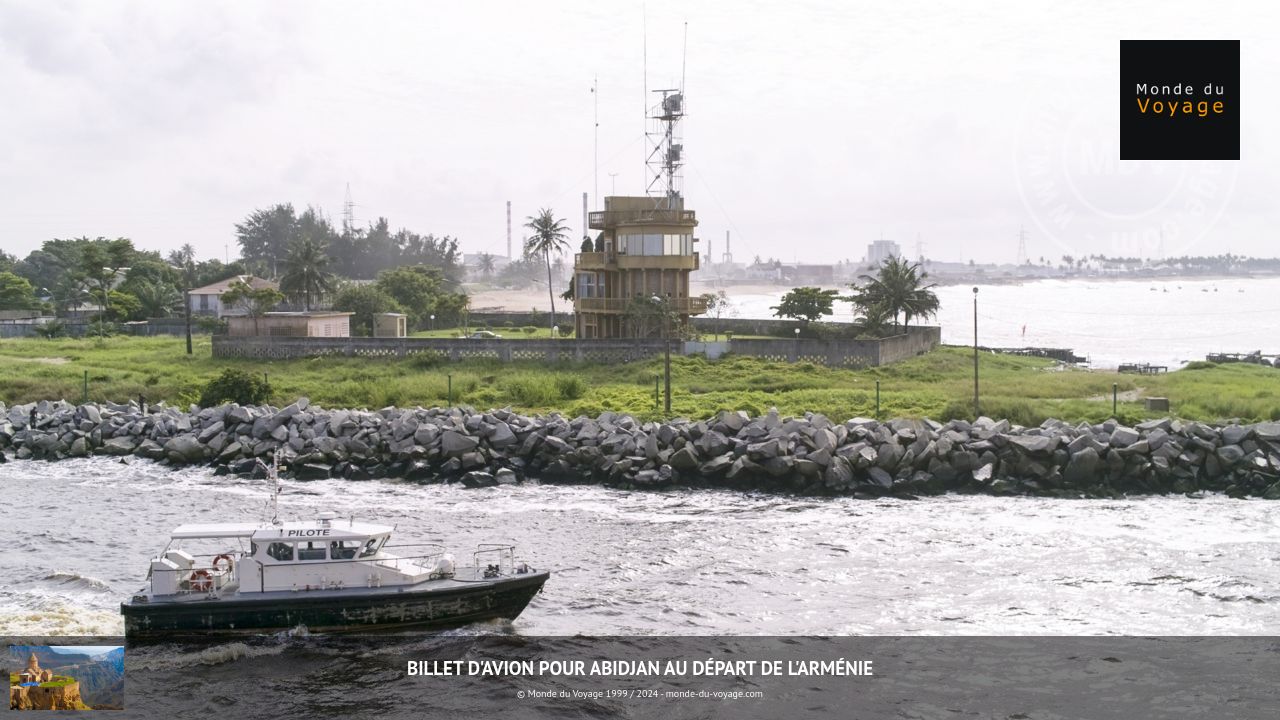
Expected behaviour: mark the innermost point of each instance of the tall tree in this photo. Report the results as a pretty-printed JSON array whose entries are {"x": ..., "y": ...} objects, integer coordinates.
[
  {"x": 486, "y": 264},
  {"x": 549, "y": 236},
  {"x": 421, "y": 291},
  {"x": 306, "y": 271},
  {"x": 366, "y": 301},
  {"x": 264, "y": 236},
  {"x": 806, "y": 304},
  {"x": 100, "y": 269},
  {"x": 16, "y": 293},
  {"x": 183, "y": 256},
  {"x": 7, "y": 261},
  {"x": 898, "y": 288}
]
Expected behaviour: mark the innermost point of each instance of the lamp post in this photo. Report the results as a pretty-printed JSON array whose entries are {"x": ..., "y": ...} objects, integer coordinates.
[
  {"x": 796, "y": 347},
  {"x": 186, "y": 312},
  {"x": 666, "y": 353},
  {"x": 976, "y": 412},
  {"x": 433, "y": 323}
]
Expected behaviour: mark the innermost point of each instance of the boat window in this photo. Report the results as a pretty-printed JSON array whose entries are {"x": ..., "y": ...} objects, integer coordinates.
[
  {"x": 280, "y": 551},
  {"x": 371, "y": 547},
  {"x": 343, "y": 549},
  {"x": 311, "y": 552}
]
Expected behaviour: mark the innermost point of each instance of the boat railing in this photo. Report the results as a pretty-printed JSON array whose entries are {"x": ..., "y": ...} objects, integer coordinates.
[
  {"x": 413, "y": 564},
  {"x": 494, "y": 555}
]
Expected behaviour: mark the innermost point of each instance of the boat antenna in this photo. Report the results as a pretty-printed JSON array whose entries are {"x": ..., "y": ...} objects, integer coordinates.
[{"x": 273, "y": 473}]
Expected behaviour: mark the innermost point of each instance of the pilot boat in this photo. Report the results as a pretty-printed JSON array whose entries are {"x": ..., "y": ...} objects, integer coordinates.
[{"x": 327, "y": 574}]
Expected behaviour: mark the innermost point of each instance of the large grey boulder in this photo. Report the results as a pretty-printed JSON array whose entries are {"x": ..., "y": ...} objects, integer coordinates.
[
  {"x": 454, "y": 443},
  {"x": 184, "y": 448}
]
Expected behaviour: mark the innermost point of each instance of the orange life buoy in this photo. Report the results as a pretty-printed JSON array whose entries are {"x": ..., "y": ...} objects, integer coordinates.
[
  {"x": 201, "y": 581},
  {"x": 220, "y": 558}
]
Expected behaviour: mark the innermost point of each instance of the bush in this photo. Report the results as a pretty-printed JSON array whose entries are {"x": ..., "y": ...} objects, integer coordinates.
[
  {"x": 570, "y": 387},
  {"x": 236, "y": 386},
  {"x": 101, "y": 328},
  {"x": 50, "y": 330},
  {"x": 528, "y": 330},
  {"x": 1200, "y": 365},
  {"x": 211, "y": 325}
]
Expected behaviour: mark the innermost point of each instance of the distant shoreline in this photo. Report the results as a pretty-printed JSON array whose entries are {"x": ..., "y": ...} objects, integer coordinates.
[{"x": 498, "y": 300}]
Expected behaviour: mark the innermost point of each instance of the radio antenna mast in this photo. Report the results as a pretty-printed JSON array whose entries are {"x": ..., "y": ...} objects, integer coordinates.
[{"x": 684, "y": 55}]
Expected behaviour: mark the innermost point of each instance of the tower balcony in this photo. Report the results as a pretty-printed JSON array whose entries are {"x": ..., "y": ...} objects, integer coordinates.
[
  {"x": 604, "y": 219},
  {"x": 680, "y": 305},
  {"x": 615, "y": 261}
]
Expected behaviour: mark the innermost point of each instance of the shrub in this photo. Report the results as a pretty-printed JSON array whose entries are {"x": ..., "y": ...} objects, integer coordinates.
[
  {"x": 1200, "y": 365},
  {"x": 101, "y": 328},
  {"x": 50, "y": 330},
  {"x": 570, "y": 387},
  {"x": 528, "y": 330},
  {"x": 211, "y": 325},
  {"x": 236, "y": 386}
]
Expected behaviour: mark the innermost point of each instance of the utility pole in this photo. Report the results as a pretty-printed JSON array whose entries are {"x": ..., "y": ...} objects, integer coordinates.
[
  {"x": 664, "y": 304},
  {"x": 187, "y": 308},
  {"x": 595, "y": 96},
  {"x": 976, "y": 412}
]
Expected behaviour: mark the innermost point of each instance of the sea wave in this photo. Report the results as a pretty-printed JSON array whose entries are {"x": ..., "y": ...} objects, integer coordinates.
[{"x": 70, "y": 580}]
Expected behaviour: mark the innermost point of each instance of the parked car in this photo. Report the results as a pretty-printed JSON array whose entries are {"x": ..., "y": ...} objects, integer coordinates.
[{"x": 484, "y": 335}]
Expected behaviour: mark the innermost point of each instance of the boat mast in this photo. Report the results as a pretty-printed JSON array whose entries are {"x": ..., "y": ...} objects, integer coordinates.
[{"x": 274, "y": 474}]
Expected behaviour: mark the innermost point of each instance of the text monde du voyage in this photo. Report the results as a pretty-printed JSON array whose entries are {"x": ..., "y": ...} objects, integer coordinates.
[{"x": 1180, "y": 100}]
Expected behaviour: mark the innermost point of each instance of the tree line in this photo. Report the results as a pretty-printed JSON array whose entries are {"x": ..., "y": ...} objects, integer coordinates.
[
  {"x": 898, "y": 290},
  {"x": 364, "y": 270},
  {"x": 269, "y": 235}
]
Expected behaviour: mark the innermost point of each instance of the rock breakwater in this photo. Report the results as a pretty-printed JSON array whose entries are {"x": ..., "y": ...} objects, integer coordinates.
[{"x": 810, "y": 454}]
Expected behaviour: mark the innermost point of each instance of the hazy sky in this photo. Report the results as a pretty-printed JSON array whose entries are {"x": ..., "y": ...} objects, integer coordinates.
[{"x": 813, "y": 127}]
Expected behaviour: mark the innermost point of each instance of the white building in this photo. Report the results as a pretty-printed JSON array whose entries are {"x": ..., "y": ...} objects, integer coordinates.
[
  {"x": 880, "y": 250},
  {"x": 207, "y": 300}
]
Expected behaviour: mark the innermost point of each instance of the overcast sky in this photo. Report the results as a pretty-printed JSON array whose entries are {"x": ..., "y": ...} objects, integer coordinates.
[{"x": 813, "y": 127}]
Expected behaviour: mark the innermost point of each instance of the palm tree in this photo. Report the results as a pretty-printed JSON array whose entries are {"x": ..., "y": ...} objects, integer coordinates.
[
  {"x": 182, "y": 257},
  {"x": 486, "y": 264},
  {"x": 306, "y": 273},
  {"x": 896, "y": 290},
  {"x": 159, "y": 300},
  {"x": 549, "y": 235}
]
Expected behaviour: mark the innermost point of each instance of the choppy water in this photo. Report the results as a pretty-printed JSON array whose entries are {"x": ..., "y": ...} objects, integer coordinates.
[
  {"x": 1163, "y": 322},
  {"x": 79, "y": 534}
]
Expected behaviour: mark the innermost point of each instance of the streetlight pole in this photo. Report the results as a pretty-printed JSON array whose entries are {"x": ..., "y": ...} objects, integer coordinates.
[
  {"x": 186, "y": 311},
  {"x": 976, "y": 413},
  {"x": 666, "y": 353}
]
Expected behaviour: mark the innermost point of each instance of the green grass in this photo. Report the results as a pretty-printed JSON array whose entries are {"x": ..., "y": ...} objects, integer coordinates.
[{"x": 937, "y": 385}]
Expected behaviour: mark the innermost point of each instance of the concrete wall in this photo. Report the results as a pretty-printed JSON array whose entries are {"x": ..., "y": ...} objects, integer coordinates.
[
  {"x": 836, "y": 353},
  {"x": 280, "y": 348}
]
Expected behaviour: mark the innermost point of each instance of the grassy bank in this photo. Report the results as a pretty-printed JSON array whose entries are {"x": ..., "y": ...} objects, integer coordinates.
[{"x": 937, "y": 385}]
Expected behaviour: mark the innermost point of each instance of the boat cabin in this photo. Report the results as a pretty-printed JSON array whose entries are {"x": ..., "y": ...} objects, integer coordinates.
[{"x": 325, "y": 553}]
